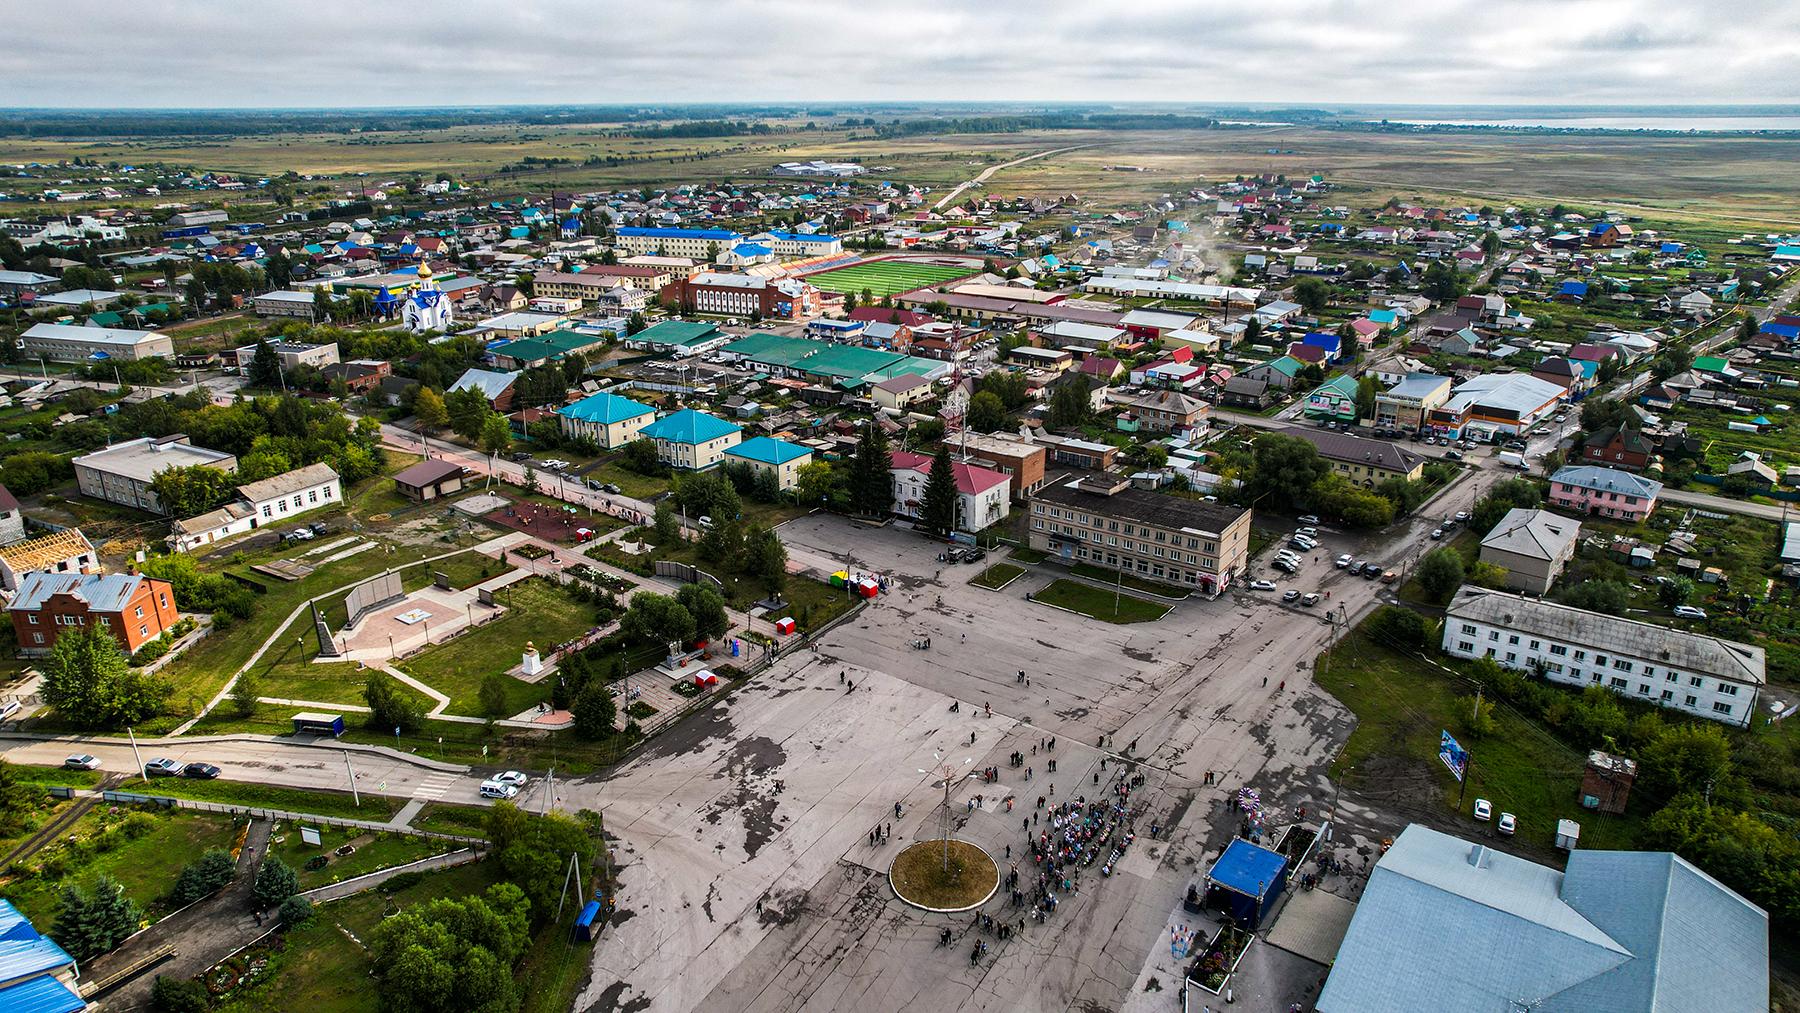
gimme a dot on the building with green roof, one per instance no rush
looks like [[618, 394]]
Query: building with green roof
[[692, 439], [779, 457], [849, 366], [1334, 400], [607, 419], [680, 337], [555, 346]]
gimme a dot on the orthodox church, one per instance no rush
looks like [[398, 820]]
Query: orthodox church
[[426, 308]]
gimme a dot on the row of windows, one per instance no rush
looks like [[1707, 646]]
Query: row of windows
[[1146, 567], [1145, 548], [312, 496], [1622, 685], [1142, 530]]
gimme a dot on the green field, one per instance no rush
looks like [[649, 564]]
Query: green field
[[1106, 606], [886, 277], [997, 576], [144, 849], [537, 611]]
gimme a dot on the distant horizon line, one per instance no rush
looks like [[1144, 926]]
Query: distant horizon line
[[1676, 107]]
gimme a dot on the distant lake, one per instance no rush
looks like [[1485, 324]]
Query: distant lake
[[1701, 123]]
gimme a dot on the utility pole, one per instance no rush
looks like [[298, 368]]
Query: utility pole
[[354, 795], [140, 757]]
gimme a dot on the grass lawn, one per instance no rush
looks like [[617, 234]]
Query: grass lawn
[[920, 874], [263, 796], [1130, 580], [318, 968], [146, 865], [630, 483], [374, 851], [33, 774], [448, 818], [886, 277], [1091, 601], [537, 611], [1025, 555], [1402, 702], [811, 603], [997, 576]]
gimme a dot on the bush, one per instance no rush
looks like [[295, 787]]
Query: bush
[[295, 912], [275, 882], [203, 877], [401, 881], [1399, 627], [178, 995]]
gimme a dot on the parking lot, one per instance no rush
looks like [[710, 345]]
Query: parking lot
[[770, 795]]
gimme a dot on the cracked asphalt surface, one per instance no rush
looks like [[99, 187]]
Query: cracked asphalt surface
[[770, 795]]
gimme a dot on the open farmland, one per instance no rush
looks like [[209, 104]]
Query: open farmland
[[886, 277]]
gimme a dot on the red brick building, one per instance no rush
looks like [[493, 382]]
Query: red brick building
[[1618, 448], [133, 608]]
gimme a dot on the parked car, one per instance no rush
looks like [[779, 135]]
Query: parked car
[[1484, 810], [499, 790], [609, 487], [298, 535], [320, 527], [1690, 612], [706, 521], [1462, 516], [1291, 596], [1309, 600], [515, 777], [82, 761], [200, 771], [1371, 570], [1308, 519], [1508, 824], [1262, 585], [1303, 543], [1286, 566], [1454, 455], [1343, 561], [1309, 531], [1390, 576], [1437, 533], [974, 553], [164, 767], [521, 455]]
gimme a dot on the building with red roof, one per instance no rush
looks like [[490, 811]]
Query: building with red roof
[[981, 493]]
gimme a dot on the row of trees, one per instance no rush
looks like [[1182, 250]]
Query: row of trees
[[1287, 472]]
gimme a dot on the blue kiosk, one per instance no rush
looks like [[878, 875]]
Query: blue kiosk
[[1245, 882]]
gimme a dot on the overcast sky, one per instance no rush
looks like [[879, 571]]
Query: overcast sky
[[210, 53]]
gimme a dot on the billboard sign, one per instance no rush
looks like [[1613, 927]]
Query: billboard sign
[[1453, 754]]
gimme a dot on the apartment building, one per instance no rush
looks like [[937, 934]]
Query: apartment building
[[130, 606], [77, 343], [1105, 520], [122, 473], [1695, 674], [607, 419], [703, 244]]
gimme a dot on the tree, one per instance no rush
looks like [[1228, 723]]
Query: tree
[[390, 707], [89, 924], [492, 694], [594, 711], [533, 851], [1069, 404], [707, 607], [721, 543], [938, 511], [765, 558], [1504, 496], [1313, 295], [1355, 506], [275, 882], [1685, 757], [1442, 282], [1675, 591], [265, 366], [871, 478], [1489, 575], [1366, 389], [816, 482], [203, 877], [666, 527], [1398, 627], [190, 490], [496, 435], [765, 487], [1675, 357], [1599, 413], [454, 954], [178, 995], [986, 412], [1285, 468], [243, 694], [1441, 573], [429, 411], [294, 912], [640, 456], [88, 680], [1607, 597], [1252, 330], [658, 619]]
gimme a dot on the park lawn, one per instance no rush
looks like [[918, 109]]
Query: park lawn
[[146, 866], [264, 796], [1092, 601], [810, 603], [319, 969], [375, 851], [1129, 580], [449, 818], [630, 483], [538, 612], [997, 576], [204, 668], [1027, 556], [1403, 702]]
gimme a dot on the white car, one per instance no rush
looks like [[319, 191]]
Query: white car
[[1343, 561], [1262, 585], [499, 790], [1484, 810], [1437, 533], [1507, 824], [515, 777], [82, 761], [1690, 612]]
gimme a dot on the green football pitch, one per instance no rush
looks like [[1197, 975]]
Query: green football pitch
[[886, 277]]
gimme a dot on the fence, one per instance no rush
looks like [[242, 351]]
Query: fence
[[685, 573]]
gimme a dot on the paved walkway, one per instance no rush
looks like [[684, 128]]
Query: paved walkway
[[202, 934], [352, 887]]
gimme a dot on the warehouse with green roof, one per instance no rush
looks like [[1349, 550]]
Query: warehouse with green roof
[[851, 367], [526, 353]]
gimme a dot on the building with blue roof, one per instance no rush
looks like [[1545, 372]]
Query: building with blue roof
[[1452, 926], [691, 439], [800, 244], [36, 975], [607, 419], [778, 457], [1572, 291], [1245, 882], [700, 244]]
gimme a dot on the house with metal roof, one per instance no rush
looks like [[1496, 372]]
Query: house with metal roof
[[1359, 459], [1496, 404], [983, 495], [122, 473], [679, 337], [133, 608], [777, 457], [1446, 925], [36, 975], [1693, 673], [692, 439], [607, 419], [1532, 546], [1334, 400], [1609, 492], [1278, 373], [496, 387]]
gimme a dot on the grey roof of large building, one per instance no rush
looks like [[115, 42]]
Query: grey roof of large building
[[1696, 653], [1144, 507], [1336, 446], [1450, 926], [1538, 534], [90, 335], [143, 458], [1587, 476]]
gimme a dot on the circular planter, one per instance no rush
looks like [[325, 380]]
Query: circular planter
[[918, 877]]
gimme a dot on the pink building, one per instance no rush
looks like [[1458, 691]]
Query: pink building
[[1604, 492]]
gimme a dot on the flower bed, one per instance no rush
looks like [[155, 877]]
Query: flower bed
[[1212, 968]]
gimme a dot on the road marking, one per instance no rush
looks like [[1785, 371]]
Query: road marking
[[434, 787]]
